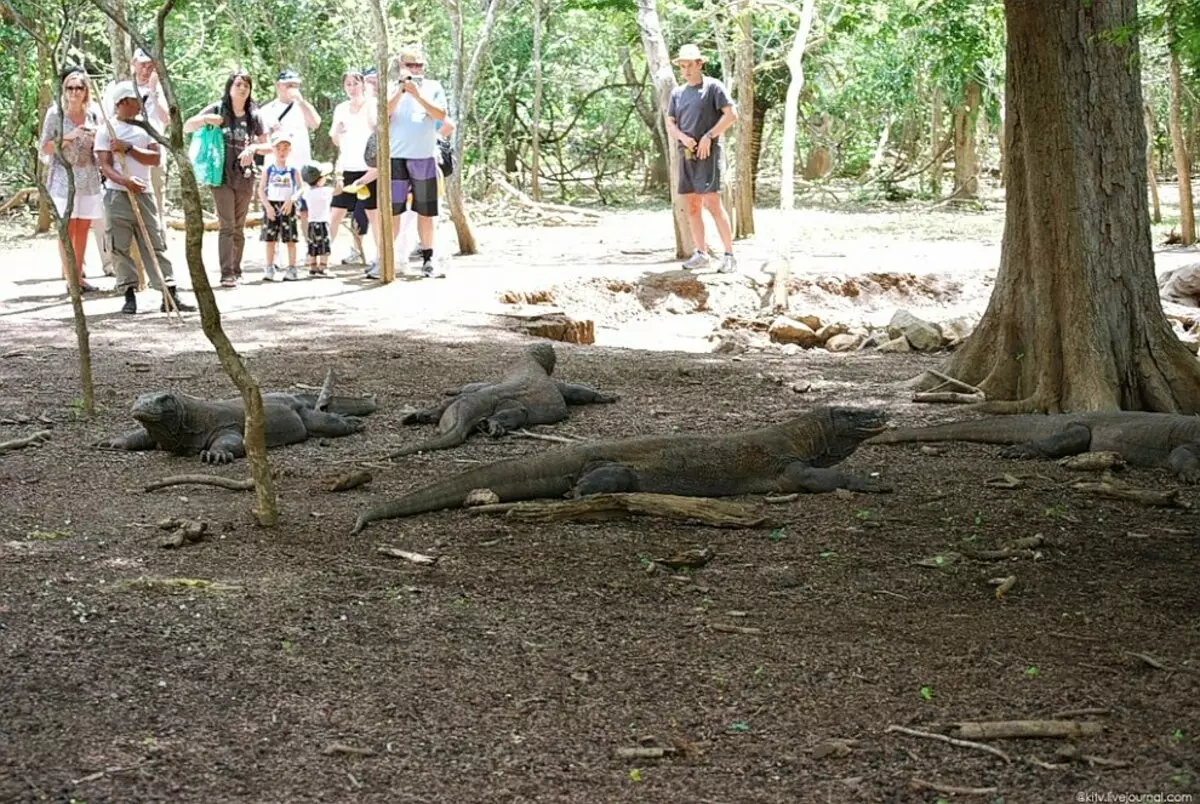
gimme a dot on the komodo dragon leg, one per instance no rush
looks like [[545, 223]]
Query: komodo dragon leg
[[345, 405], [577, 394], [1184, 461], [431, 415], [466, 389], [799, 476], [135, 441], [224, 449], [1072, 441], [605, 478], [513, 416], [320, 423]]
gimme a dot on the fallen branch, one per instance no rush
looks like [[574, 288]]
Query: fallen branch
[[718, 513], [407, 555], [326, 391], [202, 480], [343, 748], [948, 397], [949, 789], [951, 740], [736, 629], [1003, 729], [29, 440], [948, 380], [351, 480], [522, 433], [19, 197], [541, 207], [1148, 497]]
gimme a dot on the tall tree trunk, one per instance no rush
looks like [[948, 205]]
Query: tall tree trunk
[[45, 72], [743, 203], [660, 170], [1183, 161], [761, 107], [1151, 177], [729, 186], [118, 44], [464, 72], [535, 183], [511, 165], [1075, 321], [795, 63], [935, 143], [658, 61], [1002, 140], [383, 149], [267, 501], [966, 163]]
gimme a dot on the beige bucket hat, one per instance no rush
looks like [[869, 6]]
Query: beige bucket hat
[[689, 53]]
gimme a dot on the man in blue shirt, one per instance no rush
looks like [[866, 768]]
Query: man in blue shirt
[[416, 107]]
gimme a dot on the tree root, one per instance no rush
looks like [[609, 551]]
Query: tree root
[[21, 443], [202, 480], [717, 513], [949, 397]]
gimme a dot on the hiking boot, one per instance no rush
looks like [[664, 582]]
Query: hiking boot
[[697, 261], [291, 275], [728, 265], [269, 273], [130, 307], [85, 287], [181, 306]]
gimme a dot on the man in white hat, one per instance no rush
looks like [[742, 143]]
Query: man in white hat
[[154, 103], [699, 113]]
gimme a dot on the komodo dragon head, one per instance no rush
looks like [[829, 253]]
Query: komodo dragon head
[[846, 428], [543, 355], [163, 414]]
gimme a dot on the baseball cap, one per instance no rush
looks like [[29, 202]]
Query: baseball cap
[[123, 91], [141, 55], [280, 136], [288, 76], [313, 171], [371, 72]]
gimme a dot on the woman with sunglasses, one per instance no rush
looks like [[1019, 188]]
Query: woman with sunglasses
[[79, 119]]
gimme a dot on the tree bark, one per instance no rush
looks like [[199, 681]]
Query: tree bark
[[1075, 322], [383, 149], [743, 202], [795, 63], [1183, 161], [966, 163], [118, 44], [935, 143], [535, 184], [1151, 176], [267, 501], [659, 62], [464, 73], [45, 71], [660, 170]]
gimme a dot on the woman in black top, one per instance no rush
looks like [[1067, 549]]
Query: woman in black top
[[245, 135]]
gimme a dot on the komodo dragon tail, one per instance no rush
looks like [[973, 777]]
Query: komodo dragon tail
[[547, 474], [453, 438], [992, 430]]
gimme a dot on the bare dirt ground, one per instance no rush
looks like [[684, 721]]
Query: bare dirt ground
[[518, 666]]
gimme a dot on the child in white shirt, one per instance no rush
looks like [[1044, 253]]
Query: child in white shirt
[[319, 198], [279, 190]]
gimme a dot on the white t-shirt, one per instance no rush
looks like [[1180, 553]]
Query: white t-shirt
[[293, 124], [354, 140], [135, 136], [281, 184], [151, 99], [319, 200]]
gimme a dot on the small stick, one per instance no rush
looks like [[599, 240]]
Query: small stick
[[1002, 729], [202, 480], [21, 443], [735, 629], [1090, 710], [948, 397], [407, 555], [342, 748], [1148, 497], [951, 740], [949, 789], [326, 391], [543, 436], [351, 480], [947, 379], [781, 499]]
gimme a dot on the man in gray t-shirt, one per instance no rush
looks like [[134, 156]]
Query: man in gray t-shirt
[[699, 112]]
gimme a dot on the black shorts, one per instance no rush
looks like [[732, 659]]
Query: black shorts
[[318, 239], [699, 175], [418, 175], [282, 229], [348, 200]]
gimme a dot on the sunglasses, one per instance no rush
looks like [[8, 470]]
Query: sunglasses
[[414, 64], [75, 88]]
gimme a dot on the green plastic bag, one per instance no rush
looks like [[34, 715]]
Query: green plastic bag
[[207, 153]]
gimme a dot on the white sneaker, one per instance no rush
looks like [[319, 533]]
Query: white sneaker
[[373, 271], [698, 260], [353, 258], [291, 275], [269, 273], [728, 265]]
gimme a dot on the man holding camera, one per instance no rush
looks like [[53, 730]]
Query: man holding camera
[[416, 106]]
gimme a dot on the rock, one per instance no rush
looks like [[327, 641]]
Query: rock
[[922, 335], [481, 497], [680, 290], [829, 330], [789, 330], [843, 342], [790, 350], [1188, 338], [900, 344], [730, 342], [874, 339], [1181, 285], [810, 321], [956, 330]]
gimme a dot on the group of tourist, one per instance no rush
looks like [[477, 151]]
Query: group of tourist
[[268, 157], [115, 162]]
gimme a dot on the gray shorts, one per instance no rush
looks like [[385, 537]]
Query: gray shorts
[[699, 175]]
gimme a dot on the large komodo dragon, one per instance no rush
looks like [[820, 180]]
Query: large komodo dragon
[[527, 395], [1143, 439], [188, 425], [800, 454]]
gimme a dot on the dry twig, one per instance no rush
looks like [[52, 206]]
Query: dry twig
[[523, 433], [951, 740], [1002, 729], [202, 480], [949, 789], [29, 440]]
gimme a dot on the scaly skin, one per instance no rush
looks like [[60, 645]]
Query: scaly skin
[[797, 455]]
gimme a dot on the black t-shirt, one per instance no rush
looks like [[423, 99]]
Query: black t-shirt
[[239, 132]]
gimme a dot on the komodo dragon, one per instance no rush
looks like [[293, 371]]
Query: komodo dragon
[[527, 395], [188, 425], [796, 455], [1143, 439]]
